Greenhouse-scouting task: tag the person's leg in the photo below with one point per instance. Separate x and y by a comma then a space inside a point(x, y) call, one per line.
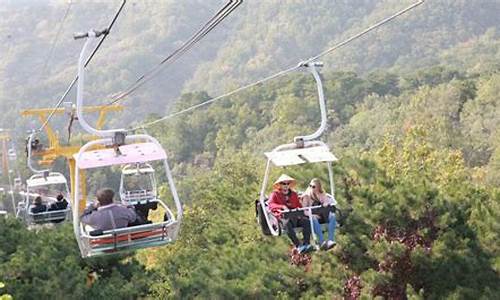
point(290, 230)
point(306, 230)
point(317, 230)
point(332, 224)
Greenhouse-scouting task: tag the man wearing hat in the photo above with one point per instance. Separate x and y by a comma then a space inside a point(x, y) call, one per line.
point(284, 198)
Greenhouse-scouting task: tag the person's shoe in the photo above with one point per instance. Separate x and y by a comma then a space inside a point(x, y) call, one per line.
point(330, 245)
point(306, 249)
point(301, 249)
point(323, 246)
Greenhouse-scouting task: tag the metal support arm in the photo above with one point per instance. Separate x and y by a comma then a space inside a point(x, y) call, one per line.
point(312, 67)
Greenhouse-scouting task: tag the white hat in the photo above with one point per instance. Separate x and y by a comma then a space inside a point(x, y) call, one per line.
point(284, 178)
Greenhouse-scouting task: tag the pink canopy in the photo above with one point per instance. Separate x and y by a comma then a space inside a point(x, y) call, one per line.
point(134, 153)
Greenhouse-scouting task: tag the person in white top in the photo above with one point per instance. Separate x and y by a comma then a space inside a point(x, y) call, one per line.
point(314, 196)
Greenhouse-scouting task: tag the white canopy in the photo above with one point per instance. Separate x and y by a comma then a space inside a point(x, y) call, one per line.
point(132, 170)
point(133, 153)
point(40, 180)
point(301, 156)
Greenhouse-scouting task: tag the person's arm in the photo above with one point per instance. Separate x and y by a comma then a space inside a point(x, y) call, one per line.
point(275, 204)
point(327, 200)
point(131, 214)
point(86, 217)
point(305, 200)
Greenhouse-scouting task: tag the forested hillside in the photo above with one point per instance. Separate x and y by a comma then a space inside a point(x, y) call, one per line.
point(260, 38)
point(413, 116)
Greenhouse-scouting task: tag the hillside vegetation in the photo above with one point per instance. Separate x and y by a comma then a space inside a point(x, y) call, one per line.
point(260, 38)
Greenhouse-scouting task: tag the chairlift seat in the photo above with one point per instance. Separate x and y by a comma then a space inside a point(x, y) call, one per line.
point(131, 238)
point(293, 213)
point(138, 197)
point(48, 216)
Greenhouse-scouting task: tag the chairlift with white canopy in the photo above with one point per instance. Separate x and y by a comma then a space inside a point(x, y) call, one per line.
point(48, 186)
point(304, 150)
point(11, 153)
point(138, 184)
point(116, 148)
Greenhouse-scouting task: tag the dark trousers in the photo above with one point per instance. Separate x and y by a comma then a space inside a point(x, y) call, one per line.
point(290, 225)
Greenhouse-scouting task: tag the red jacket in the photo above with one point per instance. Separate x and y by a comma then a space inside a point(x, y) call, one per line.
point(277, 200)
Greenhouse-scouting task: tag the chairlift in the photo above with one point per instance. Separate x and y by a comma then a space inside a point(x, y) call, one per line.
point(11, 153)
point(48, 186)
point(115, 148)
point(137, 184)
point(45, 184)
point(304, 150)
point(18, 183)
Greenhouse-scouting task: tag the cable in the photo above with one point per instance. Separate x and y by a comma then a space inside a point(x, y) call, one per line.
point(86, 63)
point(276, 75)
point(356, 36)
point(283, 72)
point(56, 38)
point(225, 11)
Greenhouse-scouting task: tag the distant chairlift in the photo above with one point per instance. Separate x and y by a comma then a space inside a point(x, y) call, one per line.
point(304, 150)
point(138, 184)
point(47, 186)
point(11, 153)
point(18, 183)
point(115, 148)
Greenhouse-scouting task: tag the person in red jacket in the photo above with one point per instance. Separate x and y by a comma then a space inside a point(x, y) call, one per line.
point(284, 198)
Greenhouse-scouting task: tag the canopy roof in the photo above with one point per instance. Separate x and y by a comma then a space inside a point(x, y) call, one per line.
point(129, 154)
point(301, 156)
point(132, 169)
point(40, 180)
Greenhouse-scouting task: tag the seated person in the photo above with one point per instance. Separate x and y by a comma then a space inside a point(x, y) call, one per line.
point(314, 196)
point(106, 214)
point(142, 211)
point(284, 198)
point(38, 207)
point(60, 204)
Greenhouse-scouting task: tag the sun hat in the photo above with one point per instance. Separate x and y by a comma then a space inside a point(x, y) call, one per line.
point(284, 178)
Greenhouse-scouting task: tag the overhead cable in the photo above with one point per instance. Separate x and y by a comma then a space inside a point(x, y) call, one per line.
point(225, 11)
point(68, 89)
point(56, 38)
point(283, 72)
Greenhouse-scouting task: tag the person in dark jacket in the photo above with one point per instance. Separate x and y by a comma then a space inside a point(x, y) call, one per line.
point(284, 198)
point(38, 206)
point(142, 211)
point(60, 204)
